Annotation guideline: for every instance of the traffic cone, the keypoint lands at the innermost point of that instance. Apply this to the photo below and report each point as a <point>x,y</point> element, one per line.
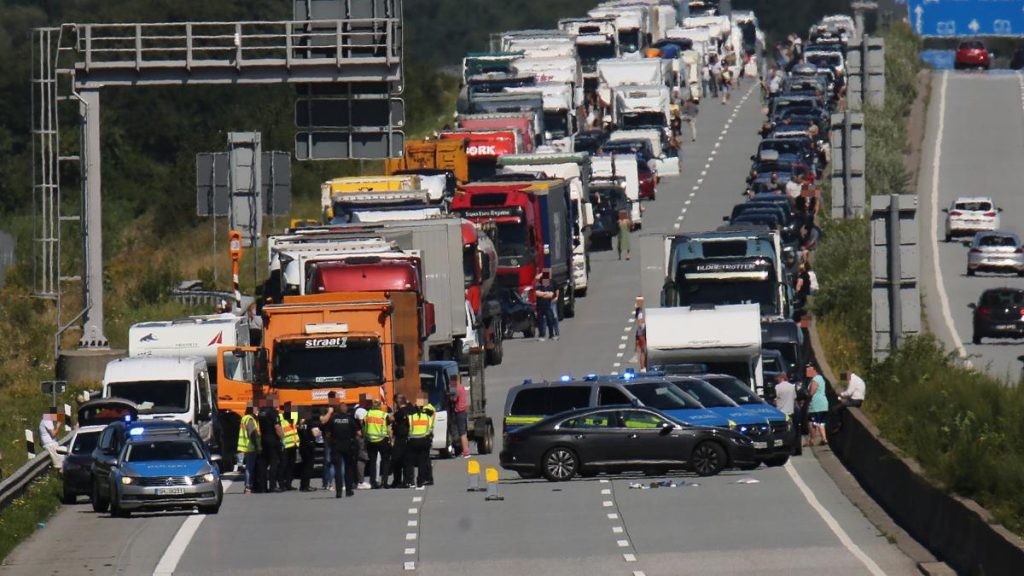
<point>473,472</point>
<point>492,485</point>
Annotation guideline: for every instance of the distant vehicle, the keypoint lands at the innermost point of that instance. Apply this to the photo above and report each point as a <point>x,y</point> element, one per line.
<point>972,54</point>
<point>995,252</point>
<point>999,313</point>
<point>617,438</point>
<point>967,215</point>
<point>589,141</point>
<point>1017,60</point>
<point>159,466</point>
<point>93,417</point>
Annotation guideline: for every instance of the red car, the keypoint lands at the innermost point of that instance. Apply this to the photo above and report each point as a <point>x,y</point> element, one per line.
<point>648,181</point>
<point>971,54</point>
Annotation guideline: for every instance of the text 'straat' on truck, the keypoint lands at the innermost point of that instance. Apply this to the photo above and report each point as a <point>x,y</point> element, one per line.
<point>447,262</point>
<point>596,39</point>
<point>170,372</point>
<point>733,265</point>
<point>575,170</point>
<point>432,158</point>
<point>531,223</point>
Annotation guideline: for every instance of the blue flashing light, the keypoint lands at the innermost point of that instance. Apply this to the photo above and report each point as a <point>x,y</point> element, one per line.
<point>127,417</point>
<point>137,431</point>
<point>628,375</point>
<point>565,378</point>
<point>591,377</point>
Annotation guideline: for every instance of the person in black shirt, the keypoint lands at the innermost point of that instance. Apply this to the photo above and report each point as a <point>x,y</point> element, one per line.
<point>342,429</point>
<point>307,445</point>
<point>400,425</point>
<point>271,439</point>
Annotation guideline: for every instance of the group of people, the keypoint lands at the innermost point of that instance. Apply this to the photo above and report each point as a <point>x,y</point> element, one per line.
<point>371,447</point>
<point>809,404</point>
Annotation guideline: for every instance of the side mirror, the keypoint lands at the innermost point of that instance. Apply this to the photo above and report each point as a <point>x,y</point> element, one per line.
<point>214,458</point>
<point>753,157</point>
<point>666,429</point>
<point>399,361</point>
<point>725,218</point>
<point>999,209</point>
<point>62,450</point>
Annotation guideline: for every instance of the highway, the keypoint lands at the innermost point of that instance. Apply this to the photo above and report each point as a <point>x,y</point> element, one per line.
<point>974,143</point>
<point>792,520</point>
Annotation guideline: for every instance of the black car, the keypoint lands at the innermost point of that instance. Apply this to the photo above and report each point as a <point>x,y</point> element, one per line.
<point>517,314</point>
<point>608,198</point>
<point>620,438</point>
<point>1017,60</point>
<point>93,417</point>
<point>999,313</point>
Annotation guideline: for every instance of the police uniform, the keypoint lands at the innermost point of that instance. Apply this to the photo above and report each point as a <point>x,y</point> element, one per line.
<point>343,428</point>
<point>307,446</point>
<point>270,449</point>
<point>291,445</point>
<point>398,451</point>
<point>378,443</point>
<point>421,430</point>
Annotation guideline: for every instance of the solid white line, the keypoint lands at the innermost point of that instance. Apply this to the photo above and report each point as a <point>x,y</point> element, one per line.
<point>831,522</point>
<point>940,286</point>
<point>176,549</point>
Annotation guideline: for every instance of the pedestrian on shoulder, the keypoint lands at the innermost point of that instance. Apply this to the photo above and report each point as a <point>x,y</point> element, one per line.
<point>249,446</point>
<point>546,296</point>
<point>400,428</point>
<point>49,432</point>
<point>625,229</point>
<point>817,409</point>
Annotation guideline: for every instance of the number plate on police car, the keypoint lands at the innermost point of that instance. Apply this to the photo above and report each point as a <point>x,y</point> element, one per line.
<point>779,443</point>
<point>760,445</point>
<point>170,491</point>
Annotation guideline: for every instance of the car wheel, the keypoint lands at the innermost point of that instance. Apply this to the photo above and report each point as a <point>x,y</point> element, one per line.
<point>708,458</point>
<point>528,333</point>
<point>560,464</point>
<point>777,461</point>
<point>976,338</point>
<point>209,510</point>
<point>67,496</point>
<point>115,507</point>
<point>99,505</point>
<point>970,272</point>
<point>949,237</point>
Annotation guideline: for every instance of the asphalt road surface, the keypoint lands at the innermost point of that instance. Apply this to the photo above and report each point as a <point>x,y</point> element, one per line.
<point>974,146</point>
<point>790,520</point>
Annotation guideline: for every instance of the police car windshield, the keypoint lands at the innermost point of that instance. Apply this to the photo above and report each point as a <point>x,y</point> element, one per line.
<point>328,361</point>
<point>708,395</point>
<point>663,396</point>
<point>163,451</point>
<point>733,388</point>
<point>154,396</point>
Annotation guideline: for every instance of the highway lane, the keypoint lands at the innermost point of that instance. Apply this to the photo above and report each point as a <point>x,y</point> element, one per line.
<point>587,526</point>
<point>975,139</point>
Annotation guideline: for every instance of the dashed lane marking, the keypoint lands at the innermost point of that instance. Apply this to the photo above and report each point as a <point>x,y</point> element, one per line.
<point>616,529</point>
<point>613,516</point>
<point>410,551</point>
<point>606,491</point>
<point>622,543</point>
<point>629,557</point>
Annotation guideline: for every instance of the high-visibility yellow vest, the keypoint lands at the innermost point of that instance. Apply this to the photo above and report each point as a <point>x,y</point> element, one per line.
<point>291,434</point>
<point>376,423</point>
<point>245,443</point>
<point>421,424</point>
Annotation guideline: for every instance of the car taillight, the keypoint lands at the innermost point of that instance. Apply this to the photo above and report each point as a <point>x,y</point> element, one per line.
<point>990,214</point>
<point>984,311</point>
<point>956,213</point>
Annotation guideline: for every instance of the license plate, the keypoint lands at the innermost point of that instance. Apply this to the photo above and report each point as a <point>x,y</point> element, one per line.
<point>760,445</point>
<point>1006,326</point>
<point>170,491</point>
<point>779,443</point>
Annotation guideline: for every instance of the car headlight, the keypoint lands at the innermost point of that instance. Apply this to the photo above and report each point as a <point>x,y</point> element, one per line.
<point>209,477</point>
<point>743,429</point>
<point>126,480</point>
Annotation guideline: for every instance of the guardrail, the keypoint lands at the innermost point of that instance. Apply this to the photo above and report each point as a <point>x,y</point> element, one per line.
<point>15,484</point>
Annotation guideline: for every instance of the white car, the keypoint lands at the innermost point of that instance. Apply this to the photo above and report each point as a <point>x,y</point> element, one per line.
<point>967,215</point>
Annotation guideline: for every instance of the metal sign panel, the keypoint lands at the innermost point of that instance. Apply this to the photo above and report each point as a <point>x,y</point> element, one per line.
<point>245,176</point>
<point>342,145</point>
<point>951,18</point>
<point>277,183</point>
<point>212,184</point>
<point>338,113</point>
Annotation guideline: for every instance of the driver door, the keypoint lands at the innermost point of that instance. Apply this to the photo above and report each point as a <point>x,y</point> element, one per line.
<point>645,440</point>
<point>236,377</point>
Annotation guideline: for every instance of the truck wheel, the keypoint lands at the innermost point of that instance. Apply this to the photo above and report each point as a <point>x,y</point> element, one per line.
<point>528,333</point>
<point>570,308</point>
<point>485,443</point>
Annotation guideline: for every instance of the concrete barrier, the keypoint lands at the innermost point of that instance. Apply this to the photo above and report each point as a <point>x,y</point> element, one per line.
<point>956,530</point>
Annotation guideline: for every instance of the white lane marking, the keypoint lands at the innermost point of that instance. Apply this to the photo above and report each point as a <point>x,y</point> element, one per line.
<point>626,329</point>
<point>606,491</point>
<point>676,225</point>
<point>617,365</point>
<point>414,510</point>
<point>619,354</point>
<point>614,373</point>
<point>624,337</point>
<point>722,137</point>
<point>176,549</point>
<point>717,144</point>
<point>412,523</point>
<point>639,573</point>
<point>684,210</point>
<point>940,286</point>
<point>617,529</point>
<point>686,202</point>
<point>417,498</point>
<point>410,536</point>
<point>699,181</point>
<point>622,543</point>
<point>607,504</point>
<point>410,565</point>
<point>603,481</point>
<point>410,551</point>
<point>833,525</point>
<point>713,152</point>
<point>613,516</point>
<point>629,557</point>
<point>704,172</point>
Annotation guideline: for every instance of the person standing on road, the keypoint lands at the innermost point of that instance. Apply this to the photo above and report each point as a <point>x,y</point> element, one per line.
<point>377,429</point>
<point>307,448</point>
<point>290,441</point>
<point>49,431</point>
<point>690,111</point>
<point>817,410</point>
<point>460,407</point>
<point>400,428</point>
<point>361,455</point>
<point>623,237</point>
<point>641,332</point>
<point>271,443</point>
<point>421,428</point>
<point>343,429</point>
<point>785,401</point>
<point>546,296</point>
<point>249,444</point>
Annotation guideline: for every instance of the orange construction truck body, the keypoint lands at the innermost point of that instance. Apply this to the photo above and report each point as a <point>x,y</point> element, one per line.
<point>434,155</point>
<point>361,345</point>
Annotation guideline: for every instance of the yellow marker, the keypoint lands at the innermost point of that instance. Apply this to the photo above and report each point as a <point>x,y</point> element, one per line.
<point>473,467</point>
<point>492,475</point>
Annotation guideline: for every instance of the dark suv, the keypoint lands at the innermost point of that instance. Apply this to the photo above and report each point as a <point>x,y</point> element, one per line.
<point>999,313</point>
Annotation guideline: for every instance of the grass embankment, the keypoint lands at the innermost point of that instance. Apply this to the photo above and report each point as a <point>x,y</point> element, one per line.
<point>22,517</point>
<point>964,427</point>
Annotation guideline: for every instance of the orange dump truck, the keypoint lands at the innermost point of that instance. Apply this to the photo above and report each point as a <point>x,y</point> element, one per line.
<point>448,155</point>
<point>362,345</point>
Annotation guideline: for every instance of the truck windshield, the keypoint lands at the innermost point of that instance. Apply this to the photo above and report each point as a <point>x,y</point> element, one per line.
<point>557,123</point>
<point>728,291</point>
<point>154,396</point>
<point>334,361</point>
<point>468,266</point>
<point>589,54</point>
<point>643,120</point>
<point>482,168</point>
<point>512,242</point>
<point>629,40</point>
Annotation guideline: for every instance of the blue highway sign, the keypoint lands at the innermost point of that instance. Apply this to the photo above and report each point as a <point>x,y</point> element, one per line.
<point>966,17</point>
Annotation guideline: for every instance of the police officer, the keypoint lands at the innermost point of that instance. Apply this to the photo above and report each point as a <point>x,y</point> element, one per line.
<point>290,441</point>
<point>398,452</point>
<point>343,429</point>
<point>307,446</point>
<point>249,446</point>
<point>377,430</point>
<point>421,424</point>
<point>271,437</point>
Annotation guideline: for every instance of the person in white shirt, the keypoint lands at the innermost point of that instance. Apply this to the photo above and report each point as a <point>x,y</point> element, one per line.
<point>855,388</point>
<point>785,401</point>
<point>49,431</point>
